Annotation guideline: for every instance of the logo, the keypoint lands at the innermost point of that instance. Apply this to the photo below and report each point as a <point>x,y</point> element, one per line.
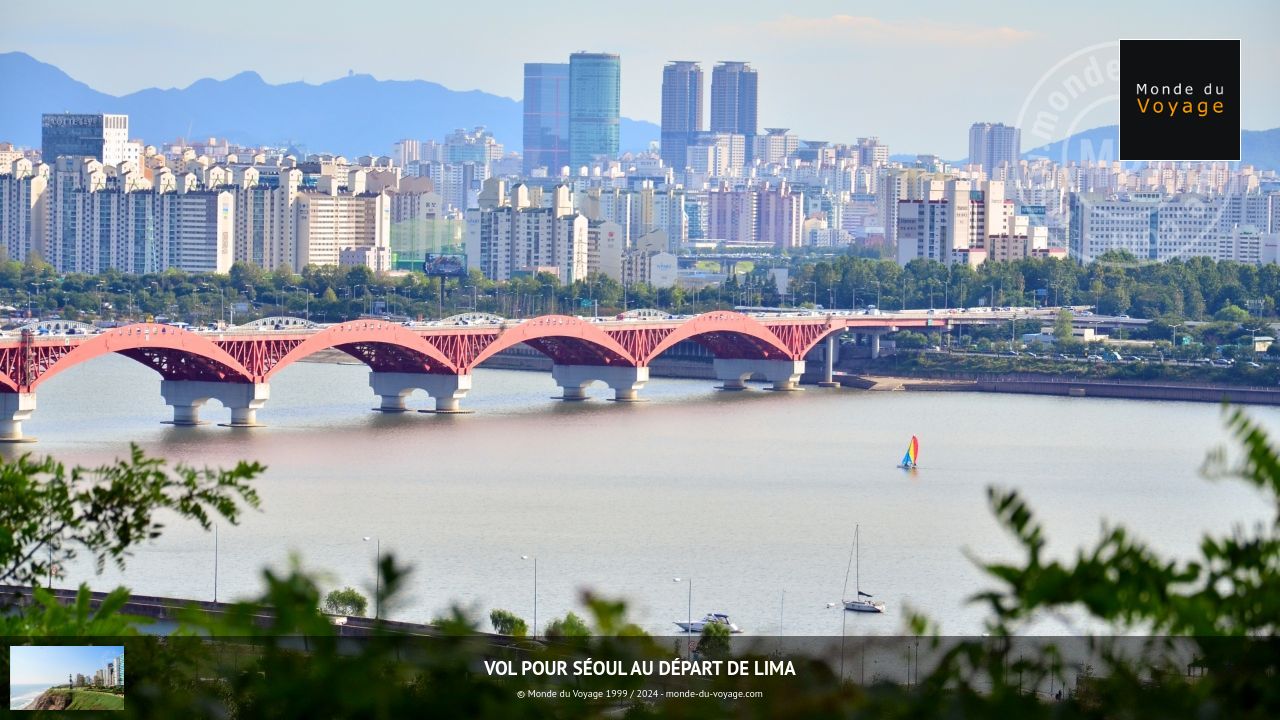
<point>1180,100</point>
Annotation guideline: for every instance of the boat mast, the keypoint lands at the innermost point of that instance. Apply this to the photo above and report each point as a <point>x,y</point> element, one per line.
<point>857,578</point>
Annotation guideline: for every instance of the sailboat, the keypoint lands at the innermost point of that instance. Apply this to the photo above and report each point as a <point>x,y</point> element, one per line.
<point>913,452</point>
<point>858,603</point>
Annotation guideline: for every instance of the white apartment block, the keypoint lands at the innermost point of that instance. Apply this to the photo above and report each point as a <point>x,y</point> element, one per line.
<point>328,222</point>
<point>957,221</point>
<point>508,234</point>
<point>22,208</point>
<point>1159,227</point>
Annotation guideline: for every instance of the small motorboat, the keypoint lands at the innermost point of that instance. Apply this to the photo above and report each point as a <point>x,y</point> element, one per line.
<point>708,619</point>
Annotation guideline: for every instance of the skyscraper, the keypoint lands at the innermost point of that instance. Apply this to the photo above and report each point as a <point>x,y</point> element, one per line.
<point>734,103</point>
<point>681,110</point>
<point>595,81</point>
<point>546,116</point>
<point>994,144</point>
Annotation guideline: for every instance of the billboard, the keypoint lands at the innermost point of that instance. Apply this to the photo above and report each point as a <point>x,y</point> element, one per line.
<point>445,265</point>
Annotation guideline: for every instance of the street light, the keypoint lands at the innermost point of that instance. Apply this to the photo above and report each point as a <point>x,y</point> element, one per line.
<point>215,562</point>
<point>377,588</point>
<point>535,592</point>
<point>689,626</point>
<point>815,293</point>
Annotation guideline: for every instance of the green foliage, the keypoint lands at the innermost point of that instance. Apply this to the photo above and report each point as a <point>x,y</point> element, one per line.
<point>49,515</point>
<point>347,601</point>
<point>958,365</point>
<point>506,622</point>
<point>1063,326</point>
<point>1232,314</point>
<point>570,626</point>
<point>714,641</point>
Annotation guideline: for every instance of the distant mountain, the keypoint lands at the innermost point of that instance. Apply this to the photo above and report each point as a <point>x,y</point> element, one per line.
<point>1259,148</point>
<point>353,115</point>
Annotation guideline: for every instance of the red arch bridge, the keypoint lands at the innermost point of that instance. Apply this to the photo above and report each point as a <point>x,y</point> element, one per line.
<point>235,365</point>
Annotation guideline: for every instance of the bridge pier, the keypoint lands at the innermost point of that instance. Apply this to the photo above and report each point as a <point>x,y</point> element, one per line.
<point>734,372</point>
<point>14,409</point>
<point>188,396</point>
<point>875,345</point>
<point>829,362</point>
<point>394,388</point>
<point>626,381</point>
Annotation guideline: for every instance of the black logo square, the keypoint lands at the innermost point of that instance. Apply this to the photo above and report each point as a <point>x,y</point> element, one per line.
<point>1179,99</point>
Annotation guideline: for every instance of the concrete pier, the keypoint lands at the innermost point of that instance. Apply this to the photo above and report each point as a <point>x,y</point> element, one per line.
<point>829,362</point>
<point>188,396</point>
<point>784,374</point>
<point>394,388</point>
<point>626,381</point>
<point>14,409</point>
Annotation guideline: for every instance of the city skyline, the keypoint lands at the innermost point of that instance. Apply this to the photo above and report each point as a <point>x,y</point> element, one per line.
<point>815,61</point>
<point>33,664</point>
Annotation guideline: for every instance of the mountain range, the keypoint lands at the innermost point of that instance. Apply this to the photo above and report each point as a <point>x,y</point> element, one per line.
<point>353,115</point>
<point>1259,148</point>
<point>346,115</point>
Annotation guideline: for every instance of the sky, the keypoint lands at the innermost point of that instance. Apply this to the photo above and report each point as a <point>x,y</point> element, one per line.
<point>916,74</point>
<point>32,664</point>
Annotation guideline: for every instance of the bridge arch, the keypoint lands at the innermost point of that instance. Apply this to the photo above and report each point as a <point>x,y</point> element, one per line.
<point>728,335</point>
<point>566,340</point>
<point>382,345</point>
<point>279,322</point>
<point>58,327</point>
<point>474,318</point>
<point>175,353</point>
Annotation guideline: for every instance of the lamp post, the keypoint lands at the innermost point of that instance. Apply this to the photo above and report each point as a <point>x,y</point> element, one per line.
<point>215,562</point>
<point>815,293</point>
<point>689,626</point>
<point>535,592</point>
<point>377,588</point>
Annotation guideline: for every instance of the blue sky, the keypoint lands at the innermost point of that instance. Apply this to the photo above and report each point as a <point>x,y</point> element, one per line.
<point>33,664</point>
<point>917,74</point>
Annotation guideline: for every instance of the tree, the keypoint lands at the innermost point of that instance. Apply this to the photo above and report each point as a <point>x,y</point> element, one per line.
<point>1232,313</point>
<point>570,626</point>
<point>714,641</point>
<point>506,622</point>
<point>347,601</point>
<point>1063,325</point>
<point>49,514</point>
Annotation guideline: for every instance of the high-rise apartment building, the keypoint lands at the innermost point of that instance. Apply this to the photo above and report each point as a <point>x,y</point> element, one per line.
<point>957,221</point>
<point>681,110</point>
<point>508,233</point>
<point>994,145</point>
<point>329,223</point>
<point>102,137</point>
<point>734,102</point>
<point>1158,226</point>
<point>595,82</point>
<point>546,117</point>
<point>22,210</point>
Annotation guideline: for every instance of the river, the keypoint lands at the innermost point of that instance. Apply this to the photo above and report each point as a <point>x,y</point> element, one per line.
<point>754,496</point>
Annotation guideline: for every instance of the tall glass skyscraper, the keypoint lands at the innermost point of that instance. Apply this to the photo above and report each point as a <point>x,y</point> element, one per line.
<point>681,110</point>
<point>595,82</point>
<point>734,101</point>
<point>546,116</point>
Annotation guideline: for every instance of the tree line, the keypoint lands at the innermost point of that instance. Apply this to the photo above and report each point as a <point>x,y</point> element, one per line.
<point>1116,284</point>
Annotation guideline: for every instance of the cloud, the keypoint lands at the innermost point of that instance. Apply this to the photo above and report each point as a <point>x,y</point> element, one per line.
<point>870,30</point>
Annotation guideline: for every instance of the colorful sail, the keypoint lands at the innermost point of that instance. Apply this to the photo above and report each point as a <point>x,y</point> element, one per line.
<point>913,452</point>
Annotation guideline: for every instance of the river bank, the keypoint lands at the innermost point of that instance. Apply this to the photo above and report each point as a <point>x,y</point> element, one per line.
<point>878,376</point>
